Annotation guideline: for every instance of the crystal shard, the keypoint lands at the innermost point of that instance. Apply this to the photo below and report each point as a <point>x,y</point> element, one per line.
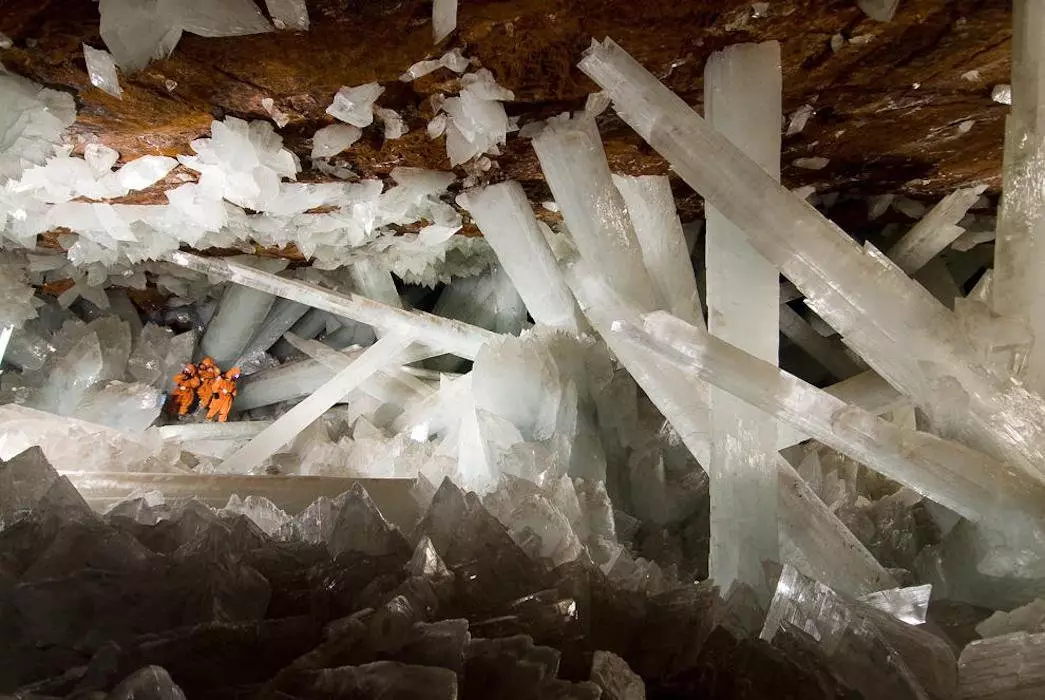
<point>149,683</point>
<point>743,94</point>
<point>935,231</point>
<point>355,105</point>
<point>288,14</point>
<point>102,71</point>
<point>331,140</point>
<point>360,527</point>
<point>615,677</point>
<point>444,19</point>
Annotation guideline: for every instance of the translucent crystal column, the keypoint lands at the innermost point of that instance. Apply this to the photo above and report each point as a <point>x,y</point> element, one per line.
<point>574,163</point>
<point>968,482</point>
<point>742,95</point>
<point>290,424</point>
<point>906,336</point>
<point>651,208</point>
<point>1019,247</point>
<point>449,336</point>
<point>507,221</point>
<point>935,231</point>
<point>239,317</point>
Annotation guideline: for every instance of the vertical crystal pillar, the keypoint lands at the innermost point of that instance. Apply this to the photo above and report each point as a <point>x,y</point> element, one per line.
<point>742,98</point>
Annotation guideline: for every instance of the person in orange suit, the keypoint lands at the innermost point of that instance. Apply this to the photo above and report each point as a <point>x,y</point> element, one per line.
<point>209,375</point>
<point>224,392</point>
<point>186,383</point>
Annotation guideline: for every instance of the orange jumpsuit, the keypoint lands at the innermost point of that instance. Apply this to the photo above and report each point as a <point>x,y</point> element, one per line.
<point>207,386</point>
<point>185,386</point>
<point>224,392</point>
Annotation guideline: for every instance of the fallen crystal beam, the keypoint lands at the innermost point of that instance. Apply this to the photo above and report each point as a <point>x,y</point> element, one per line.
<point>217,440</point>
<point>291,493</point>
<point>968,482</point>
<point>651,208</point>
<point>799,332</point>
<point>742,99</point>
<point>887,318</point>
<point>935,231</point>
<point>1011,667</point>
<point>1019,246</point>
<point>506,219</point>
<point>574,163</point>
<point>446,335</point>
<point>810,533</point>
<point>382,353</point>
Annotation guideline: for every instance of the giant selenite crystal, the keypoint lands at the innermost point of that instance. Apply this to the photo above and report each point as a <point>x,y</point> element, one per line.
<point>742,88</point>
<point>1019,252</point>
<point>859,292</point>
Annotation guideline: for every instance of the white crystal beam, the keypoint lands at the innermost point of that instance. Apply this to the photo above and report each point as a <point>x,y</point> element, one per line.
<point>968,482</point>
<point>651,208</point>
<point>291,423</point>
<point>887,318</point>
<point>240,314</point>
<point>449,336</point>
<point>5,338</point>
<point>808,529</point>
<point>574,163</point>
<point>284,314</point>
<point>935,231</point>
<point>505,217</point>
<point>1019,247</point>
<point>742,100</point>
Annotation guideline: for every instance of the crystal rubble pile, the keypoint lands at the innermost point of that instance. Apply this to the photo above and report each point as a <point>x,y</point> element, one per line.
<point>573,511</point>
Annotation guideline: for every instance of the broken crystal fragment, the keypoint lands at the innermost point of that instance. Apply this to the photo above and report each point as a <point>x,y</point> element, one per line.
<point>444,19</point>
<point>615,677</point>
<point>217,19</point>
<point>1027,618</point>
<point>355,105</point>
<point>394,125</point>
<point>799,118</point>
<point>288,14</point>
<point>908,605</point>
<point>879,10</point>
<point>102,71</point>
<point>426,561</point>
<point>1002,94</point>
<point>331,140</point>
<point>145,171</point>
<point>280,117</point>
<point>814,163</point>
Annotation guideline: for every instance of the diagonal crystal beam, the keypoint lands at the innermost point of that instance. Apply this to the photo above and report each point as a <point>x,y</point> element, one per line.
<point>574,163</point>
<point>5,338</point>
<point>809,532</point>
<point>968,482</point>
<point>935,231</point>
<point>381,354</point>
<point>902,332</point>
<point>742,99</point>
<point>444,334</point>
<point>507,221</point>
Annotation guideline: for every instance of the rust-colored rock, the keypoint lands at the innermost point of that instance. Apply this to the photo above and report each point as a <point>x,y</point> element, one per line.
<point>888,102</point>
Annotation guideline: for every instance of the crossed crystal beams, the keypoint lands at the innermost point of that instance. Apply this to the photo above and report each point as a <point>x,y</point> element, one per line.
<point>905,334</point>
<point>968,482</point>
<point>439,333</point>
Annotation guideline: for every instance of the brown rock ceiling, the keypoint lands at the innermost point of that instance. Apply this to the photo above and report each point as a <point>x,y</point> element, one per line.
<point>888,102</point>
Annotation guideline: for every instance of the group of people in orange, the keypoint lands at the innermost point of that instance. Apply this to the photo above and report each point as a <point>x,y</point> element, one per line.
<point>206,383</point>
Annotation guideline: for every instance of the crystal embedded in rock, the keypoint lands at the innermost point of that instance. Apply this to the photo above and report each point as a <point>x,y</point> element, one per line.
<point>615,677</point>
<point>102,71</point>
<point>355,105</point>
<point>331,140</point>
<point>444,19</point>
<point>908,605</point>
<point>149,683</point>
<point>288,14</point>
